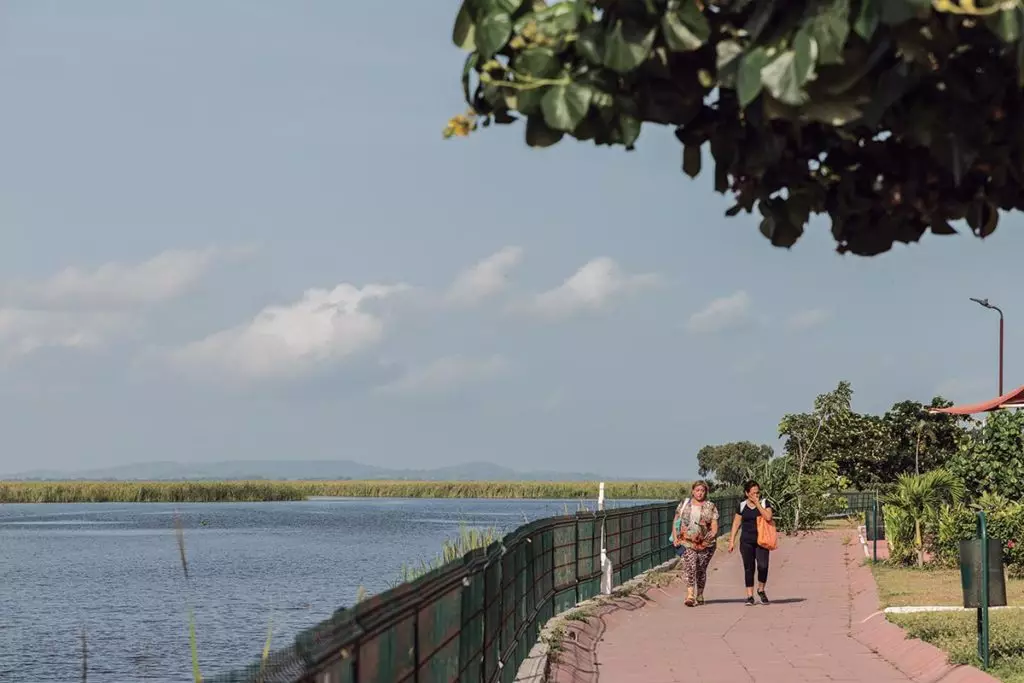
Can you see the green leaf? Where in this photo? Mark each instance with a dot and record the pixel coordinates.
(830, 29)
(564, 106)
(686, 28)
(464, 31)
(785, 76)
(626, 47)
(505, 6)
(748, 79)
(492, 32)
(467, 70)
(867, 18)
(1006, 25)
(539, 62)
(629, 127)
(691, 160)
(727, 53)
(590, 44)
(836, 113)
(538, 134)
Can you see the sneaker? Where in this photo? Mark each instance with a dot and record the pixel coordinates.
(764, 598)
(750, 601)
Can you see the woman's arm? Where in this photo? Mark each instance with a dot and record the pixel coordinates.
(737, 522)
(714, 528)
(676, 528)
(765, 511)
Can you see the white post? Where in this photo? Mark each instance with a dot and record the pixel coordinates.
(606, 564)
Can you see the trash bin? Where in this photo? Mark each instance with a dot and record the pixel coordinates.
(869, 525)
(970, 573)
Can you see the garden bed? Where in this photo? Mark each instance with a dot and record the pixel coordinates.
(955, 633)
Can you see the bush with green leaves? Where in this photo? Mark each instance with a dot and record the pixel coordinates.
(1004, 522)
(899, 535)
(991, 458)
(893, 117)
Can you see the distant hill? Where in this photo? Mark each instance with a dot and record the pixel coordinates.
(298, 469)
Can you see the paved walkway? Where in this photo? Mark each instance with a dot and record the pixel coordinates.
(822, 625)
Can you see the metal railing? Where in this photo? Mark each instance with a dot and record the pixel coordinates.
(476, 619)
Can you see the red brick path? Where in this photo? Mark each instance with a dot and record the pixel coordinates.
(823, 625)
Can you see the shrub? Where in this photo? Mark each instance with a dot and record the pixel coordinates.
(1005, 522)
(899, 535)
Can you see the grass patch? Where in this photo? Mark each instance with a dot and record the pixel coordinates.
(452, 549)
(956, 633)
(255, 491)
(899, 586)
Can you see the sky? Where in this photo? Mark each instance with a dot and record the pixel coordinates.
(232, 230)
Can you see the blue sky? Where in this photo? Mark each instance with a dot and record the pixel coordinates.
(232, 230)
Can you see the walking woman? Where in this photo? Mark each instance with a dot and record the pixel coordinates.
(744, 523)
(694, 534)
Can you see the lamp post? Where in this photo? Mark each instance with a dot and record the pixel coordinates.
(986, 304)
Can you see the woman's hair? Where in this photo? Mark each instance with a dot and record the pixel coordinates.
(747, 485)
(698, 483)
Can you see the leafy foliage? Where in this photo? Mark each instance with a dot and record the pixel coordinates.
(729, 463)
(800, 503)
(921, 496)
(991, 459)
(893, 117)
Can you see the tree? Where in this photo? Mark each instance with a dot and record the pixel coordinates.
(729, 463)
(991, 458)
(922, 441)
(893, 117)
(803, 433)
(922, 496)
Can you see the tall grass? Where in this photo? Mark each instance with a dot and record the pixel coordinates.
(252, 491)
(468, 538)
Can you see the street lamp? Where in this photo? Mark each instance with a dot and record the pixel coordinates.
(986, 304)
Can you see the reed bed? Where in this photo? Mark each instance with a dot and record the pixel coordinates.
(256, 491)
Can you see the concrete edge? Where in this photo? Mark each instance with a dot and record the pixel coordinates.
(920, 661)
(536, 667)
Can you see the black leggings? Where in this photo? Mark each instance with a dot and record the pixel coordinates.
(751, 551)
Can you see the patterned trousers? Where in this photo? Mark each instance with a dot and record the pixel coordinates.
(695, 567)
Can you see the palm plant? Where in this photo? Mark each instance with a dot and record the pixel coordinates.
(921, 496)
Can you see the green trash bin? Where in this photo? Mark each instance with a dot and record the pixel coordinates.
(869, 525)
(970, 573)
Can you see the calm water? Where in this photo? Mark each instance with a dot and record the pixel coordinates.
(114, 571)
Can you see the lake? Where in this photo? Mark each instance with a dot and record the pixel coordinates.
(113, 571)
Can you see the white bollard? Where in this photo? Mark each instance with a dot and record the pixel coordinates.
(606, 565)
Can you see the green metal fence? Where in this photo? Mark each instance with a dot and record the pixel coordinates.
(476, 619)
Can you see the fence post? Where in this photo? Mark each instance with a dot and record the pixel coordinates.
(874, 526)
(606, 565)
(983, 651)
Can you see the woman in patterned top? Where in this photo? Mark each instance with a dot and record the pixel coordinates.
(694, 534)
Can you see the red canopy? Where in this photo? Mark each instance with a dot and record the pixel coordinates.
(1014, 399)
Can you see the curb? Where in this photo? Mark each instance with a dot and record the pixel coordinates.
(918, 660)
(563, 630)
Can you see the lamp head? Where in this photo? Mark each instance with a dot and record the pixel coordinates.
(981, 302)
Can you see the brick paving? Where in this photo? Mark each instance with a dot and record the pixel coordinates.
(823, 625)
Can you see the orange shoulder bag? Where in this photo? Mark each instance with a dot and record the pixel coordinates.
(767, 536)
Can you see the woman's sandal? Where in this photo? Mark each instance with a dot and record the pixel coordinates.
(689, 601)
(700, 599)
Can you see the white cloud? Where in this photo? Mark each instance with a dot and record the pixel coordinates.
(166, 276)
(805, 320)
(322, 327)
(446, 374)
(592, 287)
(23, 331)
(722, 314)
(484, 279)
